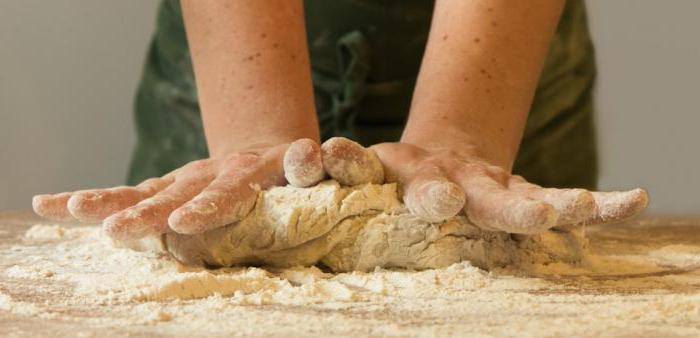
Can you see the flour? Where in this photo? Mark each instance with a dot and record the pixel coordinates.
(680, 255)
(23, 308)
(53, 232)
(362, 228)
(83, 284)
(109, 274)
(106, 273)
(349, 261)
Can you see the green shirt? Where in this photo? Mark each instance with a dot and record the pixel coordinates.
(365, 56)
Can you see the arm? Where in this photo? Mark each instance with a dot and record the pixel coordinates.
(252, 71)
(479, 74)
(474, 90)
(254, 86)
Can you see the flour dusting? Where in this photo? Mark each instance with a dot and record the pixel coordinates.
(77, 281)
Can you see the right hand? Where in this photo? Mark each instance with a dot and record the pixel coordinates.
(437, 184)
(197, 197)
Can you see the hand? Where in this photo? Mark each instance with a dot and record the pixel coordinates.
(438, 183)
(199, 196)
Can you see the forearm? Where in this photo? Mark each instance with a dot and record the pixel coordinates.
(479, 73)
(252, 72)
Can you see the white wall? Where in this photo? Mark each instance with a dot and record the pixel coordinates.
(68, 71)
(648, 98)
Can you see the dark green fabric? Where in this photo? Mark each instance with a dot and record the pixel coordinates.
(365, 56)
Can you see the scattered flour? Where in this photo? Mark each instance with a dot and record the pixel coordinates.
(680, 255)
(23, 308)
(77, 281)
(108, 273)
(99, 286)
(51, 232)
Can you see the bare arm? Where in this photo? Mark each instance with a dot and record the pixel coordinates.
(474, 90)
(254, 86)
(252, 71)
(479, 74)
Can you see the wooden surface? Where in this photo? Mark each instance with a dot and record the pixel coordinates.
(634, 237)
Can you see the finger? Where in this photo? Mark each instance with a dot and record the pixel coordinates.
(574, 206)
(230, 197)
(429, 195)
(150, 216)
(303, 166)
(491, 206)
(618, 205)
(53, 207)
(96, 205)
(350, 163)
(226, 200)
(434, 199)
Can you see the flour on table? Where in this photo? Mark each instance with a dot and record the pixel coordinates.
(290, 231)
(75, 281)
(53, 232)
(8, 304)
(101, 272)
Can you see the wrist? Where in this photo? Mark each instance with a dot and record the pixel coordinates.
(258, 138)
(494, 149)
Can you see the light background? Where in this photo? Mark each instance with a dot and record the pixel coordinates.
(69, 69)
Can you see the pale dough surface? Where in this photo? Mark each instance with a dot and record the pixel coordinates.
(360, 228)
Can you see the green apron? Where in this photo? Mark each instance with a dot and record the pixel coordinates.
(365, 56)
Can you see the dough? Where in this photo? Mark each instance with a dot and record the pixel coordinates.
(361, 228)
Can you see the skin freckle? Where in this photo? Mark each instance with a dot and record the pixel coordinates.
(263, 35)
(444, 37)
(477, 40)
(275, 45)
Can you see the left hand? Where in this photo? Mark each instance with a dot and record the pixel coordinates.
(197, 197)
(438, 183)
